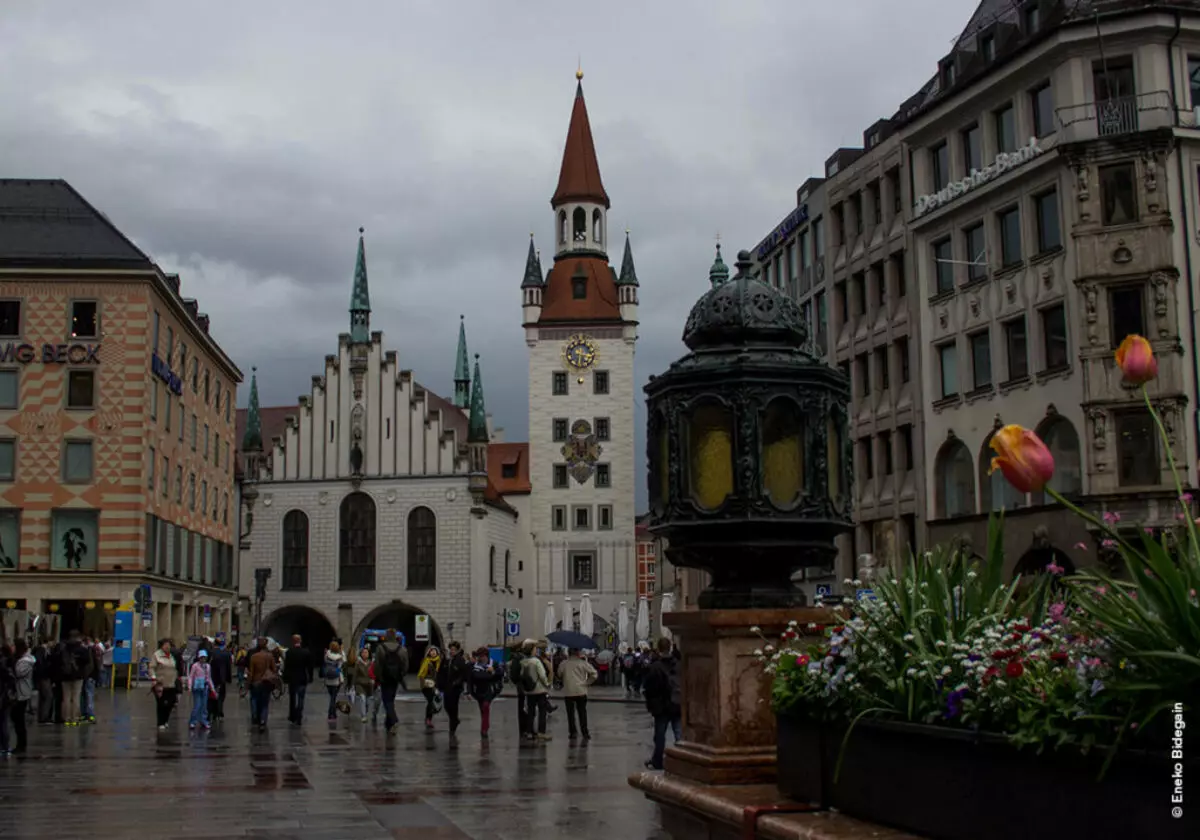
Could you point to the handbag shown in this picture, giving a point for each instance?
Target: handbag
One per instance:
(437, 703)
(429, 684)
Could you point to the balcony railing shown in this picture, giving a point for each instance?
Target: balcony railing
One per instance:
(1115, 117)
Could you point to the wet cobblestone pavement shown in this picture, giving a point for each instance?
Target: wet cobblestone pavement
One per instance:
(123, 778)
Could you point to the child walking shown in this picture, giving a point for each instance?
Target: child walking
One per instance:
(200, 681)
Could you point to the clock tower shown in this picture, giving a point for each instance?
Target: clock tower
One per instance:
(580, 322)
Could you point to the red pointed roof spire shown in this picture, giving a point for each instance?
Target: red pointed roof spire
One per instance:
(579, 178)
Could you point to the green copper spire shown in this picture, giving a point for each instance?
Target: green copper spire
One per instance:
(533, 268)
(628, 273)
(360, 298)
(252, 439)
(462, 369)
(477, 424)
(719, 273)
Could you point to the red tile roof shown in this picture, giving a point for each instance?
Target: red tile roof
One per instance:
(579, 178)
(600, 303)
(516, 457)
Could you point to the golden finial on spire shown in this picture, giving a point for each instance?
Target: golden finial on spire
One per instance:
(579, 70)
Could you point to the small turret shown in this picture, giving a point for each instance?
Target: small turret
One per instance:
(360, 298)
(462, 368)
(532, 285)
(252, 439)
(719, 273)
(477, 438)
(627, 284)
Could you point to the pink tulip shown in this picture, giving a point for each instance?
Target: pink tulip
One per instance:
(1135, 358)
(1023, 458)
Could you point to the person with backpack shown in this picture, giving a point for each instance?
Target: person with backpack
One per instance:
(331, 675)
(200, 684)
(484, 682)
(75, 662)
(515, 674)
(664, 700)
(427, 675)
(535, 682)
(297, 673)
(391, 664)
(452, 681)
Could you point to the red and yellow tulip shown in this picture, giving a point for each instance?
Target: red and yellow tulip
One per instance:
(1025, 461)
(1135, 358)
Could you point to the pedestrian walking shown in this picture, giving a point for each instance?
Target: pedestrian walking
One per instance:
(263, 676)
(8, 695)
(516, 672)
(362, 681)
(23, 677)
(536, 683)
(221, 663)
(240, 660)
(76, 664)
(576, 674)
(164, 677)
(391, 663)
(427, 675)
(452, 681)
(297, 673)
(664, 700)
(42, 674)
(485, 683)
(200, 683)
(331, 674)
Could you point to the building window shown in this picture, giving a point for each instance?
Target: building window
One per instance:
(558, 518)
(1010, 236)
(207, 393)
(77, 461)
(1041, 98)
(858, 284)
(204, 496)
(10, 388)
(560, 429)
(583, 518)
(166, 477)
(73, 540)
(179, 484)
(842, 302)
(1016, 348)
(972, 142)
(976, 245)
(1006, 129)
(902, 353)
(192, 492)
(579, 288)
(1137, 449)
(939, 164)
(206, 441)
(559, 383)
(987, 46)
(1048, 231)
(880, 286)
(601, 426)
(1063, 442)
(583, 570)
(81, 391)
(1126, 312)
(906, 440)
(10, 319)
(603, 476)
(862, 372)
(885, 446)
(954, 488)
(866, 458)
(1118, 194)
(604, 518)
(150, 471)
(85, 319)
(881, 368)
(1054, 337)
(981, 359)
(948, 362)
(492, 567)
(508, 470)
(943, 265)
(195, 431)
(8, 460)
(1032, 18)
(507, 566)
(356, 542)
(600, 382)
(560, 476)
(195, 374)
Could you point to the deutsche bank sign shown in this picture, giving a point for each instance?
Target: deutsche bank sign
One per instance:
(1004, 162)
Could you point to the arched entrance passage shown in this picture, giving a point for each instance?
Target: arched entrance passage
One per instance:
(310, 624)
(401, 617)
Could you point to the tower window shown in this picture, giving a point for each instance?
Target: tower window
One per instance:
(579, 225)
(560, 383)
(562, 227)
(600, 382)
(579, 288)
(597, 227)
(560, 429)
(560, 475)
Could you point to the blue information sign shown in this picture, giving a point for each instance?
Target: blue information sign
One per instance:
(866, 594)
(513, 628)
(824, 589)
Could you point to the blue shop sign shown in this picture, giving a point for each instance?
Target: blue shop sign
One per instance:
(163, 371)
(783, 230)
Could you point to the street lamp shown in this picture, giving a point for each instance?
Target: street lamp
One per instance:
(748, 446)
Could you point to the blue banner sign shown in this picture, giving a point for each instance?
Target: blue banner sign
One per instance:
(783, 230)
(163, 371)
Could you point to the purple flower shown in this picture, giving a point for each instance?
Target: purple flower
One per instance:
(954, 703)
(1055, 569)
(974, 657)
(1097, 687)
(1057, 610)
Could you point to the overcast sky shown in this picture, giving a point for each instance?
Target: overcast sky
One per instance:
(243, 145)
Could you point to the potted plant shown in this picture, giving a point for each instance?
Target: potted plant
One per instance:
(1063, 700)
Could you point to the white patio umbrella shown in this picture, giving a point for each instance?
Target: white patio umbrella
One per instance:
(623, 624)
(642, 624)
(548, 626)
(568, 621)
(587, 620)
(667, 605)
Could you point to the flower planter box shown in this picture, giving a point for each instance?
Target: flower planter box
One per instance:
(950, 784)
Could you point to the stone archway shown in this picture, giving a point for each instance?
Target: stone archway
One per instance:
(401, 617)
(310, 624)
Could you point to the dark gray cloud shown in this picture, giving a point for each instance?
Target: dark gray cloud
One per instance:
(244, 151)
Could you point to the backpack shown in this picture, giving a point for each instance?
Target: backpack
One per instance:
(673, 684)
(70, 664)
(332, 670)
(529, 680)
(393, 666)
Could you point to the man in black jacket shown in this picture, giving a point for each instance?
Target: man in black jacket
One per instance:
(296, 673)
(452, 679)
(661, 688)
(221, 665)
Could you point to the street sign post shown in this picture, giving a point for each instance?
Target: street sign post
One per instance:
(514, 616)
(513, 629)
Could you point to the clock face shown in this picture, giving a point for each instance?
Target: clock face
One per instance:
(579, 352)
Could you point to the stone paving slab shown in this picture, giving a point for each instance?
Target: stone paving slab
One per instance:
(123, 778)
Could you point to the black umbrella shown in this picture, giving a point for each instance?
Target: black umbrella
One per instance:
(571, 639)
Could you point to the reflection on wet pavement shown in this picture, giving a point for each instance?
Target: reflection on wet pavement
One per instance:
(124, 778)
